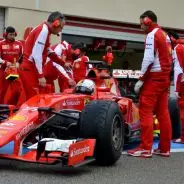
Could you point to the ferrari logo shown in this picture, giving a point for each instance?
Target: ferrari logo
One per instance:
(86, 101)
(107, 83)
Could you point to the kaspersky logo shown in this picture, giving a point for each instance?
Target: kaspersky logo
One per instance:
(79, 151)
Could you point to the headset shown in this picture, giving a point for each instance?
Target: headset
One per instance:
(173, 40)
(147, 21)
(56, 23)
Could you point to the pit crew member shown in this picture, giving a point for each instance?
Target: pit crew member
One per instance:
(178, 56)
(53, 71)
(80, 66)
(10, 55)
(36, 50)
(153, 87)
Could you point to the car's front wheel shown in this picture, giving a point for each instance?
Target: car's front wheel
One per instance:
(103, 121)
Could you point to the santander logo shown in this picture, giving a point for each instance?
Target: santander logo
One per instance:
(79, 151)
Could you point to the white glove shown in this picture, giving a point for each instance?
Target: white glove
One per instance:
(71, 82)
(177, 95)
(42, 82)
(138, 86)
(8, 64)
(1, 61)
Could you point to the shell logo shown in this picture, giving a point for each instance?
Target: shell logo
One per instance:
(18, 118)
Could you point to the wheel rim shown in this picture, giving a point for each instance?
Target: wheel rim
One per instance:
(117, 132)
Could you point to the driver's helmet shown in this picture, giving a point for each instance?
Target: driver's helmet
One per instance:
(85, 86)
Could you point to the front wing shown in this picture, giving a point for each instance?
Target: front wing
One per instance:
(78, 153)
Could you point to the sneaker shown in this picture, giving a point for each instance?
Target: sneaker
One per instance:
(178, 141)
(160, 153)
(139, 152)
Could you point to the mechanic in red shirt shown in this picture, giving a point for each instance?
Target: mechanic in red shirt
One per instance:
(154, 86)
(36, 50)
(10, 53)
(69, 56)
(80, 66)
(53, 71)
(178, 56)
(108, 58)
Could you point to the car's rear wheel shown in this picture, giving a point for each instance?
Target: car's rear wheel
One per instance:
(175, 118)
(103, 121)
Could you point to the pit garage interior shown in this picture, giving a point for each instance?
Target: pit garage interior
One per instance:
(127, 40)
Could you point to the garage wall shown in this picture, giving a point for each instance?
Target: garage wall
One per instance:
(2, 20)
(21, 18)
(170, 12)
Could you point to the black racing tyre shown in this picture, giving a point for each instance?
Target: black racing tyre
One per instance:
(175, 118)
(103, 121)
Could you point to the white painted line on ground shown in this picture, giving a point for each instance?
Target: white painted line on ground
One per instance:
(176, 150)
(124, 153)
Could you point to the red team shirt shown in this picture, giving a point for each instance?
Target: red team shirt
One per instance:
(80, 68)
(10, 51)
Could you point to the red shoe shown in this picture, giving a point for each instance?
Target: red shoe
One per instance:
(180, 141)
(160, 153)
(139, 152)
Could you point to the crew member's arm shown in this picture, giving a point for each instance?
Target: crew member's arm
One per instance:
(56, 58)
(38, 48)
(64, 75)
(20, 53)
(3, 63)
(149, 54)
(178, 71)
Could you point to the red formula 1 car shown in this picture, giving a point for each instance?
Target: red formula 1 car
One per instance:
(78, 126)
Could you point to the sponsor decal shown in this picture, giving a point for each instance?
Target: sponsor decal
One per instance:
(6, 128)
(77, 65)
(30, 109)
(79, 151)
(40, 43)
(5, 46)
(71, 102)
(25, 130)
(126, 73)
(16, 47)
(18, 118)
(86, 100)
(8, 124)
(3, 132)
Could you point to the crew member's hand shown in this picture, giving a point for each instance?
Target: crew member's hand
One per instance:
(177, 95)
(1, 61)
(138, 86)
(17, 65)
(42, 82)
(71, 82)
(8, 64)
(67, 65)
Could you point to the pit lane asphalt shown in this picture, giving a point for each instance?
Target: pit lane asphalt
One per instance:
(128, 170)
